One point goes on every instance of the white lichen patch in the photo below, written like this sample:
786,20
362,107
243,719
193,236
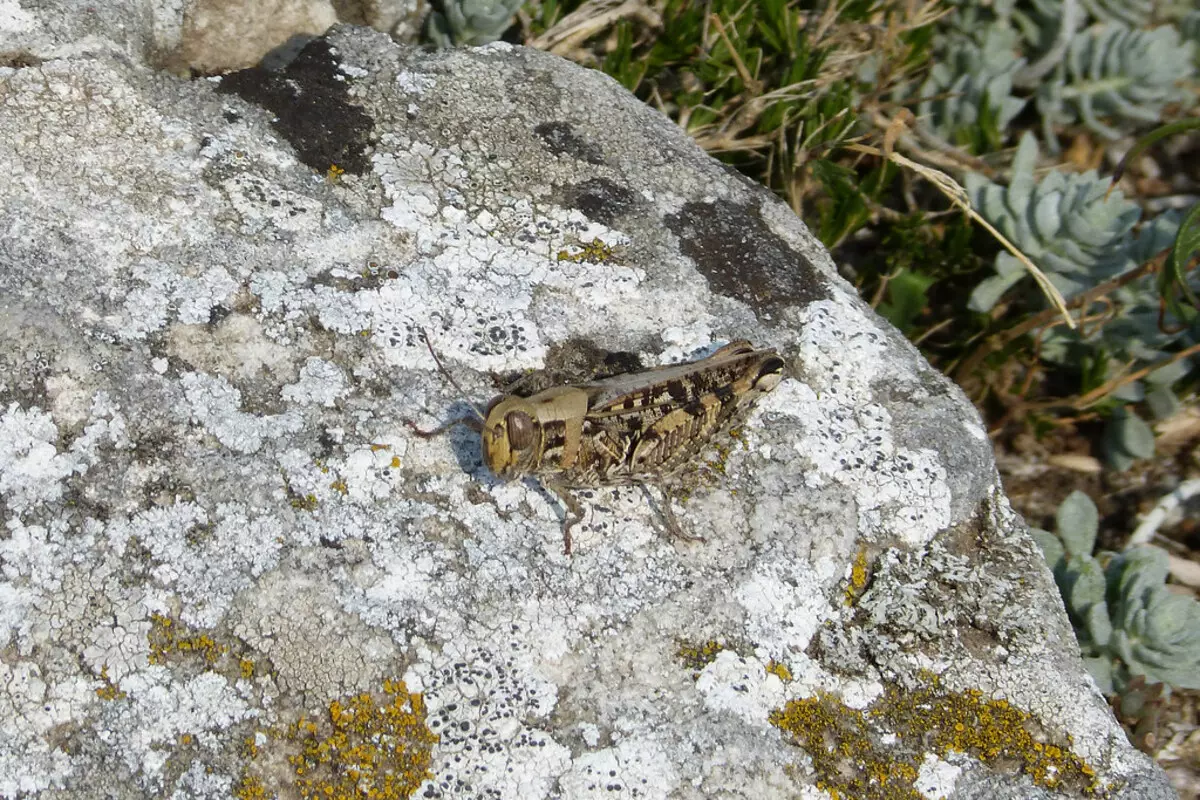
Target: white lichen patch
786,603
639,767
486,712
159,709
29,710
206,558
936,778
479,260
214,404
268,208
741,686
160,294
32,469
319,651
321,383
847,439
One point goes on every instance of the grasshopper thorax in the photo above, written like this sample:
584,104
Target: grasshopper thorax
512,437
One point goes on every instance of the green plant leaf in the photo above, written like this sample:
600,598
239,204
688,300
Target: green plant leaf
1078,521
1174,278
1132,434
1051,546
1101,671
1162,402
1150,139
907,298
1087,585
1099,626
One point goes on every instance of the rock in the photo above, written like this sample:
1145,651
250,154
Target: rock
229,565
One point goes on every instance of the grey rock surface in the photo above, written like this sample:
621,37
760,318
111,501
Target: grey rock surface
224,547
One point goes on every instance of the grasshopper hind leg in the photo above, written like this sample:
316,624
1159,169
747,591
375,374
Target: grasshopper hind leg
574,511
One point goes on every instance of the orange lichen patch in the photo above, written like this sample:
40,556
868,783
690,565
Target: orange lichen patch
858,577
851,761
368,747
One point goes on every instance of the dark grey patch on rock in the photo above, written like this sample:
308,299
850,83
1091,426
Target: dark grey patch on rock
602,200
217,314
311,103
743,258
560,139
19,59
570,362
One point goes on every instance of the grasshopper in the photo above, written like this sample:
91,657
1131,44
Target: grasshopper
637,428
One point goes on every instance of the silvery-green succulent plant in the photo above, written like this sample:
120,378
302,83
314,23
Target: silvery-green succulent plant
1063,222
1128,622
1134,13
1115,78
471,22
969,82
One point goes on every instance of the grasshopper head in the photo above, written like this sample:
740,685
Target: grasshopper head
512,437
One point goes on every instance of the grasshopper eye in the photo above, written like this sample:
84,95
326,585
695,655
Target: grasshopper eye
520,430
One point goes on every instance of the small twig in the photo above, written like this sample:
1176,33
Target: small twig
589,19
1049,317
958,196
752,84
1102,391
1157,516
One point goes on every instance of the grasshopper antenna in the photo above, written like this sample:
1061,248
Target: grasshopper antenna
446,374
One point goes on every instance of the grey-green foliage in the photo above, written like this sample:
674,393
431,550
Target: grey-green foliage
1126,619
1189,28
1133,13
1115,78
1087,62
471,22
1080,238
1063,222
971,81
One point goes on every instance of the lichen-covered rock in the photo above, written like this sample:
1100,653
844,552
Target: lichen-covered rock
229,566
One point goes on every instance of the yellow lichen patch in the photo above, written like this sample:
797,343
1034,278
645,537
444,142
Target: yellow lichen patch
308,502
251,788
168,638
334,173
369,747
858,577
109,691
340,486
699,656
851,761
173,642
779,670
593,252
